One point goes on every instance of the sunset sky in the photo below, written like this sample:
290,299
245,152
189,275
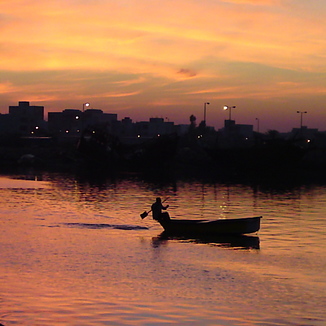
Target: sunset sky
150,58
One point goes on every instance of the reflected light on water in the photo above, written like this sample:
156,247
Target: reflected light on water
76,252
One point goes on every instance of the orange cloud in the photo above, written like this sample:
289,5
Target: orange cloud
254,2
70,37
6,87
168,52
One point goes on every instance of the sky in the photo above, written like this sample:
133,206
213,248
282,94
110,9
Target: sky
166,58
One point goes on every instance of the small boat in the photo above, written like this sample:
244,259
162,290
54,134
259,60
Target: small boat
236,226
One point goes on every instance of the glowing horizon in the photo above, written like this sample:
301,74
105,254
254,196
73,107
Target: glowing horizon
142,59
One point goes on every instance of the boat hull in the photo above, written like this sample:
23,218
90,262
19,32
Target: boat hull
206,227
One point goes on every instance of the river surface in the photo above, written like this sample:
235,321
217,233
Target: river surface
74,251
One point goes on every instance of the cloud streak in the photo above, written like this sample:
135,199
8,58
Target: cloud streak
133,54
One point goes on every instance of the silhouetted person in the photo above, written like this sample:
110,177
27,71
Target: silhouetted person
157,208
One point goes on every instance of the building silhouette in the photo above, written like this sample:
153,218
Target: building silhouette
27,120
234,135
23,119
71,122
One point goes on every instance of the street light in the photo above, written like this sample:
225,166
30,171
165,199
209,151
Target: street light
205,112
83,117
301,112
228,108
85,104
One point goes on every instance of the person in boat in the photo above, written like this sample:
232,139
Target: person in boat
157,208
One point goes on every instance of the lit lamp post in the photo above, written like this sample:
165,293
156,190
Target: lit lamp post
85,105
83,118
205,112
301,113
228,108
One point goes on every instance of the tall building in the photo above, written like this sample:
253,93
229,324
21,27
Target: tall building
25,119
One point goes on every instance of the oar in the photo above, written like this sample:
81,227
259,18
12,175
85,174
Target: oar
145,214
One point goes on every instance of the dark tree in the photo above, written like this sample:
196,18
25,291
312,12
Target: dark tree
193,120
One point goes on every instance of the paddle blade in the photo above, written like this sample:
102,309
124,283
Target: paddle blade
143,215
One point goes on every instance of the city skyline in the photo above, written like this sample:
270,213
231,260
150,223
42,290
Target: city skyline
37,111
142,59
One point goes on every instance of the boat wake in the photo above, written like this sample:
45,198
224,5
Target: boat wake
105,226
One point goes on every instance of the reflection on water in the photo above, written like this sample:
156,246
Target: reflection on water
74,251
236,242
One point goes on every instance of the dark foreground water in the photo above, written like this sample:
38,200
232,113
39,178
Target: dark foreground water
75,252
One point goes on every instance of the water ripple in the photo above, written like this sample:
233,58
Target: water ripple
105,226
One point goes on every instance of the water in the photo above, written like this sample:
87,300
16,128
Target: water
76,252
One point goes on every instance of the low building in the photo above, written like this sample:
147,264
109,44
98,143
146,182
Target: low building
72,122
303,133
138,132
155,127
5,124
235,135
97,118
67,122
